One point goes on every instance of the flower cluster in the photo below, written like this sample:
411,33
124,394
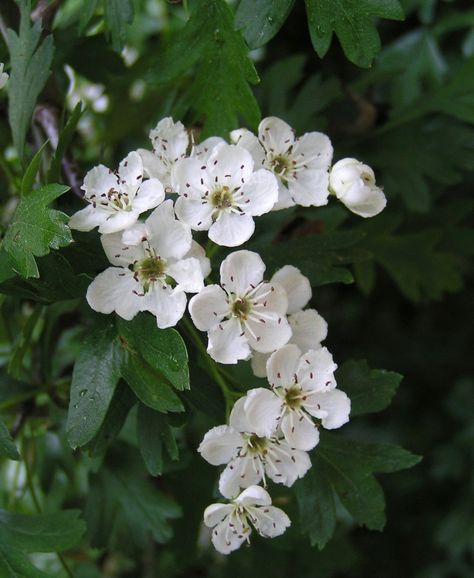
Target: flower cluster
146,212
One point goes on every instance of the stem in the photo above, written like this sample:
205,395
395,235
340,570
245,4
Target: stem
34,497
213,369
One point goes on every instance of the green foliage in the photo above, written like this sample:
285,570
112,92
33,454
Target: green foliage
35,229
154,434
118,14
7,446
261,21
220,91
353,23
31,60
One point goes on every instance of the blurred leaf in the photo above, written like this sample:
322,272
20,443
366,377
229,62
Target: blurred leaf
35,229
43,533
87,12
353,23
94,379
319,257
30,61
347,471
15,564
370,390
262,20
7,447
32,169
219,92
148,385
65,138
118,15
163,349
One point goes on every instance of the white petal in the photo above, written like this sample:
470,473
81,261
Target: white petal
98,181
285,200
281,366
113,290
331,407
270,297
167,305
131,173
88,218
363,200
169,139
275,135
270,521
246,139
254,496
199,253
153,167
316,149
231,229
188,274
259,194
238,418
209,307
229,165
259,363
226,541
239,473
149,195
220,445
119,221
269,336
240,271
186,177
118,253
296,285
215,513
293,464
309,329
263,409
310,188
301,434
226,343
203,150
195,213
133,236
168,236
316,370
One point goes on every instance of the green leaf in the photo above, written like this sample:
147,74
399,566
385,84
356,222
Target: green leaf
30,68
43,533
353,23
154,432
345,468
7,447
219,91
65,138
36,229
148,385
118,15
86,14
29,177
319,257
370,390
163,349
261,20
15,564
94,379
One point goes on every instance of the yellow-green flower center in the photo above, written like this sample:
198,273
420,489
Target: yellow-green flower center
293,397
241,308
257,445
222,198
150,270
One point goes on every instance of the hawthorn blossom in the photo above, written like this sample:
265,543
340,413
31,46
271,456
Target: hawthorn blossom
309,329
303,387
170,142
232,523
353,183
3,76
152,272
116,199
242,314
222,193
251,458
300,164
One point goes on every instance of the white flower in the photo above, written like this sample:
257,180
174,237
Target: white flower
303,387
251,458
116,199
309,329
170,142
301,164
3,76
232,523
221,194
244,312
152,274
353,183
